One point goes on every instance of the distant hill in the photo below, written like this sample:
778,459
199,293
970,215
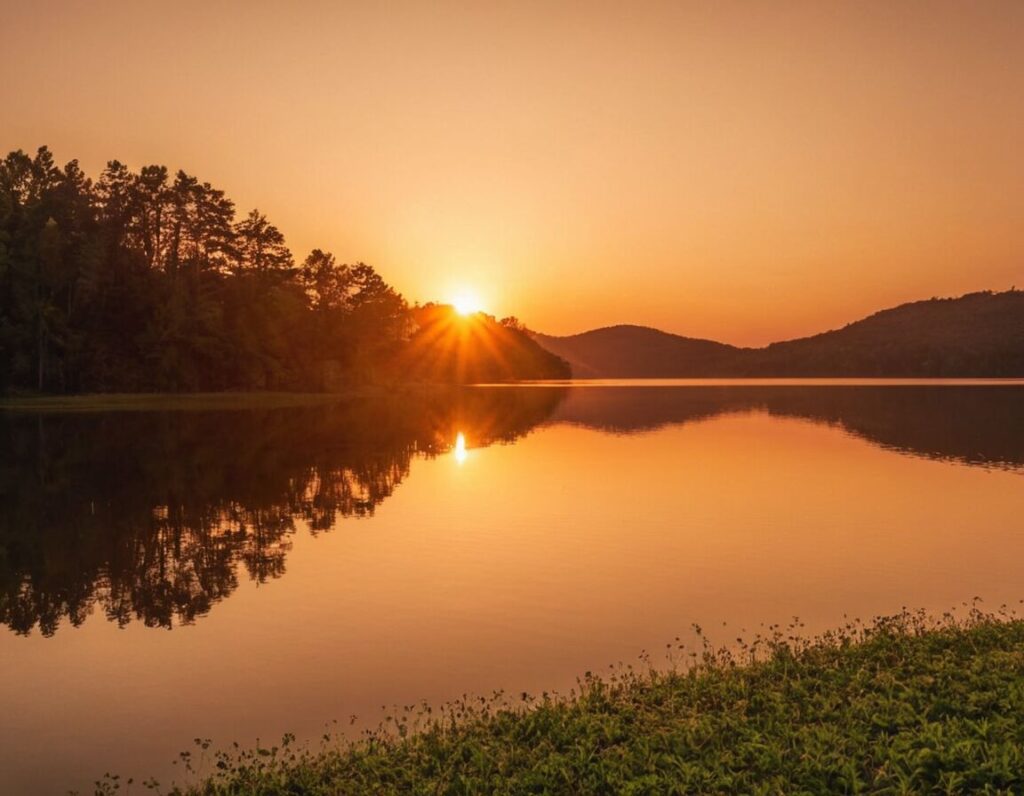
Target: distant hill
980,334
637,352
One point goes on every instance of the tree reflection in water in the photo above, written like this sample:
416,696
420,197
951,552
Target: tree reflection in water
151,515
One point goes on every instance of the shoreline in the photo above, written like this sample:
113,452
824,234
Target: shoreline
274,399
903,704
206,401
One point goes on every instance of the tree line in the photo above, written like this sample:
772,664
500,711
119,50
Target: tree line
144,280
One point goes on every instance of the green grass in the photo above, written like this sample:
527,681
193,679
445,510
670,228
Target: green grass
903,705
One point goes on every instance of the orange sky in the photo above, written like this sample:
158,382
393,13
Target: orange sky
740,171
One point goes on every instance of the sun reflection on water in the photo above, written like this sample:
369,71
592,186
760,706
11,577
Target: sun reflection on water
460,448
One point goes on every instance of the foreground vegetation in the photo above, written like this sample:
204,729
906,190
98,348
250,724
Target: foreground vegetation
904,705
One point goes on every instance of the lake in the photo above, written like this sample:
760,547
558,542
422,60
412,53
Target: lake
234,575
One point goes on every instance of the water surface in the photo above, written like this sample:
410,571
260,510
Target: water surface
239,574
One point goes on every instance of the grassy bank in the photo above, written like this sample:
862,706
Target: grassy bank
904,705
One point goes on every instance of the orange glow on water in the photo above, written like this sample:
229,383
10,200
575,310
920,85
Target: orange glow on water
459,450
591,524
520,572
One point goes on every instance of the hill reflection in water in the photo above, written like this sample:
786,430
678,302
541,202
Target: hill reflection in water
971,424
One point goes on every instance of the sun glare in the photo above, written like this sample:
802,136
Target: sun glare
466,303
460,448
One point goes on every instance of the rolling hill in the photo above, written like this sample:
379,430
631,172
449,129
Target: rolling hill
979,334
636,352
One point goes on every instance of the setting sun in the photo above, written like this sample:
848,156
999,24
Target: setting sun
466,303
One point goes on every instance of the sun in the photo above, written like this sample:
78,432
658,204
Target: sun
466,303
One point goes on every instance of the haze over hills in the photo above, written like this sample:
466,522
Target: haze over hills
979,334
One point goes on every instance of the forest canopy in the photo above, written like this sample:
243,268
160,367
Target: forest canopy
149,281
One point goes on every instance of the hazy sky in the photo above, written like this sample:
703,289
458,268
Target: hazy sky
741,171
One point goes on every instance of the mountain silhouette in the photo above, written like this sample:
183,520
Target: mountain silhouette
637,352
976,335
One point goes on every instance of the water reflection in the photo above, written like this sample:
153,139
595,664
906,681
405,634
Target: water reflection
153,516
460,448
976,425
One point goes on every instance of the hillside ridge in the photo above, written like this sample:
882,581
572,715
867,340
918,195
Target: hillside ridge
978,334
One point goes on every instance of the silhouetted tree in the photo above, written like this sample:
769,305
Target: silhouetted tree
142,281
261,245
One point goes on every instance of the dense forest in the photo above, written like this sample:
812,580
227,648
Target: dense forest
148,281
977,335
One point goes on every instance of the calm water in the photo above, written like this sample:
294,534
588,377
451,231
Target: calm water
234,575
